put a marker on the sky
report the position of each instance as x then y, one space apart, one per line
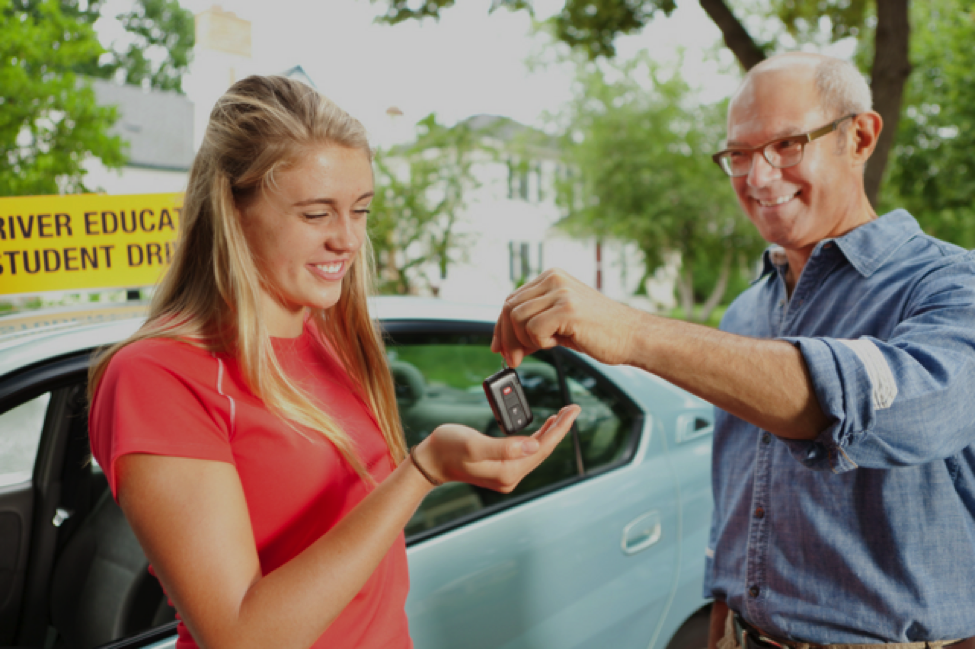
469 62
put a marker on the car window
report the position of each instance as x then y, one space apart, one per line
20 434
438 380
607 421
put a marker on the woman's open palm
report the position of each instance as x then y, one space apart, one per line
458 453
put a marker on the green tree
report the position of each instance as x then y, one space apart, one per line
593 25
156 51
49 120
420 197
641 173
933 168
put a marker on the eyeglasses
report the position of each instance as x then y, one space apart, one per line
780 153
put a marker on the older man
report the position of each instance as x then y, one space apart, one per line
844 381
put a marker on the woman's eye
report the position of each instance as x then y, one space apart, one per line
363 211
316 215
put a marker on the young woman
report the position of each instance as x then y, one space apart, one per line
249 430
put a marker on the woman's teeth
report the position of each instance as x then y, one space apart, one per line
330 268
774 202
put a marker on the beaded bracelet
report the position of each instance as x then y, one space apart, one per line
426 475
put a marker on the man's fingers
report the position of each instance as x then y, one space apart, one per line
510 336
536 322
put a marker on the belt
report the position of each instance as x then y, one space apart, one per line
749 636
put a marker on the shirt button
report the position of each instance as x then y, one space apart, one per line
754 591
766 438
759 513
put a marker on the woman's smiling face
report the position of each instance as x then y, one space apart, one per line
306 231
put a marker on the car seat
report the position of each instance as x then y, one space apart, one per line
101 588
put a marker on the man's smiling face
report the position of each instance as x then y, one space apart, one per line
798 206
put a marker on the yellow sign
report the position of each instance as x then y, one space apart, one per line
86 241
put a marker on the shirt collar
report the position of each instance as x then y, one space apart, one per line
866 247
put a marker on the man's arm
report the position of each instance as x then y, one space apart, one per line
764 382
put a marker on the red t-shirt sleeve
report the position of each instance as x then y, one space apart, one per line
160 397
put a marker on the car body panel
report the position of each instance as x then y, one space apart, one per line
614 559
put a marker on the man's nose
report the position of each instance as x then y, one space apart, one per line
761 173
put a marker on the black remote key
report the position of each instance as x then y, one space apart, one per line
507 399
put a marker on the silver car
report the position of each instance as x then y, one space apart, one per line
601 546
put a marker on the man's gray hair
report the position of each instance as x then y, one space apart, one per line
842 89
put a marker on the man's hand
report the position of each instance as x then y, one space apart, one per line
556 309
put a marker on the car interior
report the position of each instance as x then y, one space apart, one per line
85 581
72 573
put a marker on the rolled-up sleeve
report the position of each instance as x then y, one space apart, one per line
907 400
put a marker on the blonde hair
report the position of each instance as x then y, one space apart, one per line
210 295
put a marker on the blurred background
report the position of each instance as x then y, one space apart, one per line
511 136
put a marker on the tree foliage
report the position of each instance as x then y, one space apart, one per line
642 173
933 169
593 25
156 50
419 200
49 120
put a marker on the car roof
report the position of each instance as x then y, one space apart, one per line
30 337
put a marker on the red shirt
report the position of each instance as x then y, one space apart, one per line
166 397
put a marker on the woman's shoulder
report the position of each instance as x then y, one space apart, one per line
162 355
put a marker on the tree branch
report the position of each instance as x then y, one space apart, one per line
738 40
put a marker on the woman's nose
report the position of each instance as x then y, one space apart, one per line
345 234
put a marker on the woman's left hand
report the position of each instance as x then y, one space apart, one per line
454 452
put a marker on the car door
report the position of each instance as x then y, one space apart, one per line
583 553
71 572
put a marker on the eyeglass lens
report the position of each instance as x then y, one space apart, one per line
783 153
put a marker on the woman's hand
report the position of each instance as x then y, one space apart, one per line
454 452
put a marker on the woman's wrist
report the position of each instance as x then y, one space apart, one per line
435 482
422 458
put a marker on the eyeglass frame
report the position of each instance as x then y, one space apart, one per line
809 137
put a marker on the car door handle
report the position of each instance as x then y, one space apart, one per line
642 533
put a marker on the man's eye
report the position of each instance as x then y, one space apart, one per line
783 145
734 155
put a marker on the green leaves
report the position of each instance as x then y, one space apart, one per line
420 196
49 121
640 150
933 172
594 24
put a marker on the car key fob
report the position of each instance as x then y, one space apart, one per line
507 399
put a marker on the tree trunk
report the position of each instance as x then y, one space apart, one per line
891 68
748 53
685 289
719 288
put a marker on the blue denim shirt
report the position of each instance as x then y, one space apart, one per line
867 533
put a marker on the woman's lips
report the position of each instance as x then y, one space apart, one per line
330 271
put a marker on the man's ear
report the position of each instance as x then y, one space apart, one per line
863 134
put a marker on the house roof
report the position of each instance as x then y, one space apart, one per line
298 74
514 132
157 124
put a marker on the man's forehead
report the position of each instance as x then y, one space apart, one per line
774 104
